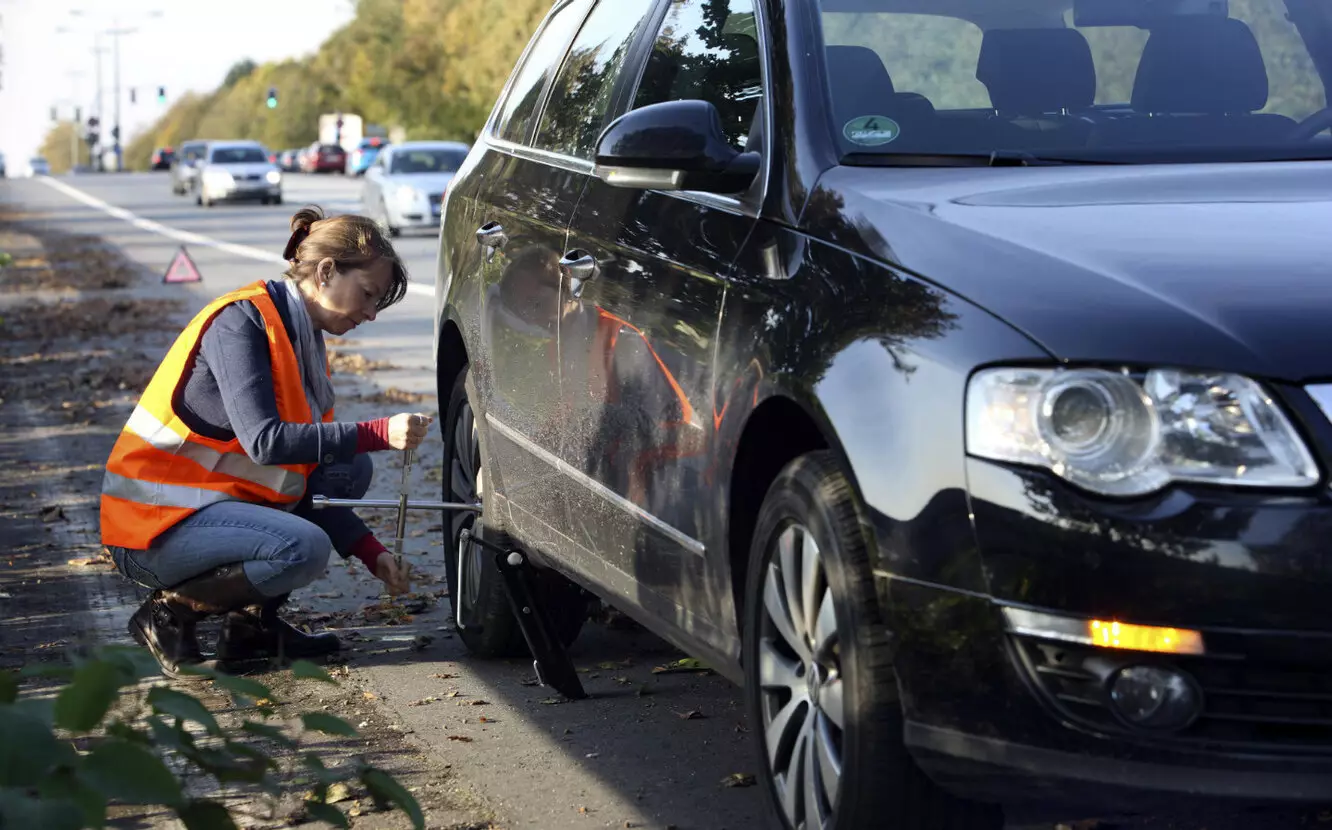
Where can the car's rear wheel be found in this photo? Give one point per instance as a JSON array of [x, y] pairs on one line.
[[819, 678], [480, 606]]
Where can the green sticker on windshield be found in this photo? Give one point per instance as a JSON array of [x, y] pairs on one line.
[[871, 130]]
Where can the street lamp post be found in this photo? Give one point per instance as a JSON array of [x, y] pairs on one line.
[[115, 32]]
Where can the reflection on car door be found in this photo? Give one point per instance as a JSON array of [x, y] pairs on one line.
[[526, 204], [646, 271]]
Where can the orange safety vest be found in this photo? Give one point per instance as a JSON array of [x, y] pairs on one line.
[[160, 471]]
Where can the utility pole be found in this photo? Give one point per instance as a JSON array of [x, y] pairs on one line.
[[115, 131]]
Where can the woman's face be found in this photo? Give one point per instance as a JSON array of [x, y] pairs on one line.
[[342, 300]]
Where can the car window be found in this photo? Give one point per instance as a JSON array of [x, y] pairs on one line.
[[1120, 80], [238, 155], [428, 161], [708, 50], [575, 110], [520, 107]]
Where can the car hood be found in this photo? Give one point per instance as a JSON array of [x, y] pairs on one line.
[[429, 183], [1212, 266]]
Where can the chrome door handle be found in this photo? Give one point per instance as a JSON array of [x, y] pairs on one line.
[[580, 266], [492, 237]]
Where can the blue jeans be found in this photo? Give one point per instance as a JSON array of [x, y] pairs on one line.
[[281, 551]]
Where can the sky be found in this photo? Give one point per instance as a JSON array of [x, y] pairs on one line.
[[189, 47]]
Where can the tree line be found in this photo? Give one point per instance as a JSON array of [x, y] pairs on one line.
[[433, 67]]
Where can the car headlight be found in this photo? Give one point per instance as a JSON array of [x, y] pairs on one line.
[[407, 193], [1116, 435], [274, 177], [218, 177]]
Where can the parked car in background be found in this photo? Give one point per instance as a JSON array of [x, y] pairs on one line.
[[162, 158], [37, 166], [290, 160], [404, 186], [954, 376], [238, 171], [184, 170], [360, 158], [324, 158]]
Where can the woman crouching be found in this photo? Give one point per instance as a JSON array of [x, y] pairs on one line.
[[206, 498]]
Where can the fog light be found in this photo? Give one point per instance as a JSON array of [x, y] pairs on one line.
[[1155, 698]]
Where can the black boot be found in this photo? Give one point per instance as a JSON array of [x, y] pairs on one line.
[[165, 623], [259, 633]]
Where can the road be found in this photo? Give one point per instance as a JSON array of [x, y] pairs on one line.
[[622, 758]]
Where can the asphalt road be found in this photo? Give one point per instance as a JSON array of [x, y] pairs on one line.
[[619, 759]]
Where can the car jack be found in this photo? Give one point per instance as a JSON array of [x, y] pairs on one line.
[[549, 657], [551, 661]]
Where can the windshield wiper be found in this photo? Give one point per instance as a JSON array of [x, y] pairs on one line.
[[996, 158]]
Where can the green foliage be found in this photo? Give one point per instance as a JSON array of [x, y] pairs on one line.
[[417, 64], [99, 741]]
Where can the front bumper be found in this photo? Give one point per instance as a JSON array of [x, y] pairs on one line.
[[421, 213], [245, 191], [1014, 718], [1011, 719]]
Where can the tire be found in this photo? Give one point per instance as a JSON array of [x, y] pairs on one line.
[[811, 509], [481, 588]]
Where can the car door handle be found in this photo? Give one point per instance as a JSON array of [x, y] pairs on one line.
[[492, 237], [581, 267]]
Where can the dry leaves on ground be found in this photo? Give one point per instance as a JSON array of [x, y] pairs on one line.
[[354, 364]]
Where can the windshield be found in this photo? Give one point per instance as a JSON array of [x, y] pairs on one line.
[[427, 161], [1105, 80], [239, 155]]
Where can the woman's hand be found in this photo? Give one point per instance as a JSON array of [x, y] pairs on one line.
[[407, 430], [398, 580]]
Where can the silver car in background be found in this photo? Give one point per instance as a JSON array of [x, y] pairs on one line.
[[184, 167], [238, 170], [405, 185]]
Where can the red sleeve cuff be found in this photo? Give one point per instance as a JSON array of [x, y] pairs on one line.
[[367, 549], [372, 435]]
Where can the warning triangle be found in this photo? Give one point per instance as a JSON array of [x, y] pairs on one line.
[[182, 269]]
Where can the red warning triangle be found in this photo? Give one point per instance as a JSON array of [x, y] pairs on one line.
[[182, 269]]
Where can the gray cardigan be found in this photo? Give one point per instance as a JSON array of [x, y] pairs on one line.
[[229, 393]]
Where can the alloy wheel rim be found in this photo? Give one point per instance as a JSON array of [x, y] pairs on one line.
[[800, 681], [466, 484]]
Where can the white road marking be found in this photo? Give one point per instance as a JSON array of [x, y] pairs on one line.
[[188, 237]]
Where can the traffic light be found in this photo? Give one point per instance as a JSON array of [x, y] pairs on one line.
[[272, 97], [134, 97], [161, 95]]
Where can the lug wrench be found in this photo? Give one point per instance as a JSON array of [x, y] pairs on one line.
[[550, 660]]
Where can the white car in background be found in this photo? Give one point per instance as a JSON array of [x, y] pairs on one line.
[[405, 184], [237, 171], [37, 166]]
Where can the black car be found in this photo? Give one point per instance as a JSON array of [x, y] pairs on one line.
[[162, 158], [956, 377]]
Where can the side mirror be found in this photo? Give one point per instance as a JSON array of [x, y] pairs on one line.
[[674, 145]]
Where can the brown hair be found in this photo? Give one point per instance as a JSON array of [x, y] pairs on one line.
[[351, 241]]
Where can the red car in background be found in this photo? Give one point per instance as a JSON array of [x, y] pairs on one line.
[[162, 158], [324, 158]]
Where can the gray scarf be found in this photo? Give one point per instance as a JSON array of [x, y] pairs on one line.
[[310, 351]]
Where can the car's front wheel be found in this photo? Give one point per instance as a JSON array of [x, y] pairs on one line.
[[819, 679], [486, 623]]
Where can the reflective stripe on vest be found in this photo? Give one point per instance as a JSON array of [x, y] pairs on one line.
[[160, 471]]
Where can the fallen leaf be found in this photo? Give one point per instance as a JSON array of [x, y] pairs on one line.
[[462, 738], [423, 701], [738, 779], [692, 714], [443, 676], [687, 664], [53, 513], [453, 693], [368, 695], [338, 792]]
